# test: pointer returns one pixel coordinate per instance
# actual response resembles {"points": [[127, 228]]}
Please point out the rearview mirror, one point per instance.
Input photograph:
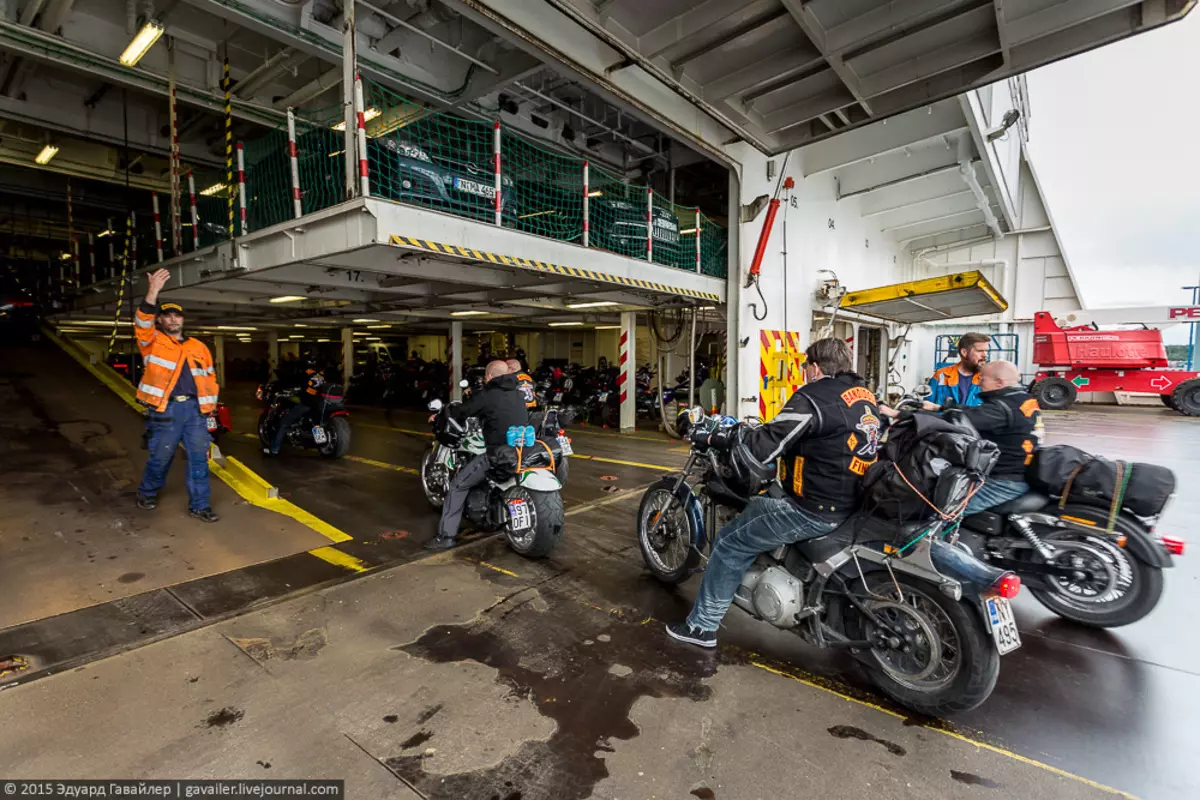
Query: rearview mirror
{"points": [[463, 383], [435, 405]]}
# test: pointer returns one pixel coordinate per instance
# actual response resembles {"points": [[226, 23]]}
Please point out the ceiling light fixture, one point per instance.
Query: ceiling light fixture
{"points": [[48, 152], [564, 324], [234, 328], [607, 327], [469, 313], [364, 320], [596, 193], [213, 190], [143, 40], [594, 304], [102, 234], [368, 115], [288, 298], [686, 231], [377, 327]]}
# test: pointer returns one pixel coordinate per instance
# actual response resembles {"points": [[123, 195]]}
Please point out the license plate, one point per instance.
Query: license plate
{"points": [[1003, 624], [211, 423], [558, 397], [565, 444], [319, 434], [475, 187], [518, 512]]}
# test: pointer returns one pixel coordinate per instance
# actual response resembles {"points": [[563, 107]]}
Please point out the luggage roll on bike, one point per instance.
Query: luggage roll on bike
{"points": [[522, 494], [925, 621]]}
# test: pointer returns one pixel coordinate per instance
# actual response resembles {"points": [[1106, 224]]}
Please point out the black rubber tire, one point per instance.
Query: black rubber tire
{"points": [[548, 527], [1055, 394], [339, 434], [1186, 398], [684, 571], [980, 667], [434, 501], [562, 470], [264, 428], [1143, 597], [1167, 400]]}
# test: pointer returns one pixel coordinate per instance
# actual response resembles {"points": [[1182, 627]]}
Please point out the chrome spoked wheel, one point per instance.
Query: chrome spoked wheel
{"points": [[664, 530], [1098, 574], [435, 479], [920, 647]]}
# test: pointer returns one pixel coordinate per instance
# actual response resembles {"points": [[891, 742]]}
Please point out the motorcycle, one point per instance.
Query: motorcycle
{"points": [[926, 621], [1070, 561], [325, 429], [526, 504]]}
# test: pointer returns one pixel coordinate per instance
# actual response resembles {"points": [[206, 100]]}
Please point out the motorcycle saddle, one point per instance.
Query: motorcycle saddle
{"points": [[859, 529], [991, 522]]}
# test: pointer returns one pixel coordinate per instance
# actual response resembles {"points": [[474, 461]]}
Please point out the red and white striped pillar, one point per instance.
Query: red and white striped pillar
{"points": [[649, 224], [585, 203], [697, 240], [241, 178], [628, 363], [496, 166], [297, 210], [360, 115], [195, 216], [158, 243]]}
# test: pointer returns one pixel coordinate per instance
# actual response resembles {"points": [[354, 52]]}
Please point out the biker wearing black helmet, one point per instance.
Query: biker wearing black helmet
{"points": [[824, 439], [312, 381]]}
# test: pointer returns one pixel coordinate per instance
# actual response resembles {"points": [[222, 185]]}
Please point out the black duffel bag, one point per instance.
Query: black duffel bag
{"points": [[1075, 476], [928, 465]]}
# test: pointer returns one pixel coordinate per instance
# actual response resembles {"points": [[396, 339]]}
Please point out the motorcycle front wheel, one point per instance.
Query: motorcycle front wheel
{"points": [[947, 663], [434, 478], [664, 532], [265, 434]]}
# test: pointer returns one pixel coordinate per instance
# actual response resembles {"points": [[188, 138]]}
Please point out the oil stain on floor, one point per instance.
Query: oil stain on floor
{"points": [[571, 680]]}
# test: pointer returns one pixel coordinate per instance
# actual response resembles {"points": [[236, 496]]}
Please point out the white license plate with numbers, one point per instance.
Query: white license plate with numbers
{"points": [[518, 512], [475, 187], [1003, 624], [565, 444], [319, 434], [211, 423]]}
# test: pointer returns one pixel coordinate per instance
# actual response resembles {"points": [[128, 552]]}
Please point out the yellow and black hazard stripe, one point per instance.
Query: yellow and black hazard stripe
{"points": [[543, 266]]}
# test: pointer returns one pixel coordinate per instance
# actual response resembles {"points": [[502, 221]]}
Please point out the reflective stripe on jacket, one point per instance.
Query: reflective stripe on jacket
{"points": [[164, 358]]}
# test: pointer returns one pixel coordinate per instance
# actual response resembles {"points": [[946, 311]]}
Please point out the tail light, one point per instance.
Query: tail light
{"points": [[259, 393], [1174, 546], [1007, 585]]}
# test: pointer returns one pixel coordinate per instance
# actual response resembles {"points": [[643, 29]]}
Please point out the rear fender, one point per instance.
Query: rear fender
{"points": [[1138, 540], [539, 480]]}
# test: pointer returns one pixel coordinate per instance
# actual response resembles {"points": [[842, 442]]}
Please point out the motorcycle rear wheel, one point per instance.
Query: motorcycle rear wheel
{"points": [[668, 553], [338, 438], [954, 673], [1139, 586], [548, 519]]}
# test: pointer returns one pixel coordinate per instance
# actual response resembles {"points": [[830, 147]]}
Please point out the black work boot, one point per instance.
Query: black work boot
{"points": [[438, 543], [146, 502], [204, 515]]}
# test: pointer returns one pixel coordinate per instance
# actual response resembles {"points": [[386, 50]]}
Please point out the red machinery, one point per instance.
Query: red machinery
{"points": [[1083, 358]]}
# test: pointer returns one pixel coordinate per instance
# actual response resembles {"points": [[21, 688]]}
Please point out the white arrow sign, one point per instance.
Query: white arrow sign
{"points": [[1161, 383]]}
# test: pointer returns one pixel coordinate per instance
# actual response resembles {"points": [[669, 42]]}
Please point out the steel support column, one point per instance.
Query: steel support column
{"points": [[455, 357], [219, 358], [273, 354], [626, 381], [349, 70], [347, 355]]}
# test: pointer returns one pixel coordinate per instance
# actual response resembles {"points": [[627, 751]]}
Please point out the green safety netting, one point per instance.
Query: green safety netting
{"points": [[445, 162]]}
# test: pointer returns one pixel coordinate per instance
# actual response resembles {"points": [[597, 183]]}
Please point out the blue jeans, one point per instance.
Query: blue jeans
{"points": [[181, 422], [290, 418], [766, 524], [993, 493]]}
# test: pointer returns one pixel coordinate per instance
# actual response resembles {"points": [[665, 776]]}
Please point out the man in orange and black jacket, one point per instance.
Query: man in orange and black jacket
{"points": [[179, 386]]}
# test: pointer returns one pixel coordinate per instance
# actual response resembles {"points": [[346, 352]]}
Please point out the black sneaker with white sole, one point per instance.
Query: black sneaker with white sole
{"points": [[686, 633]]}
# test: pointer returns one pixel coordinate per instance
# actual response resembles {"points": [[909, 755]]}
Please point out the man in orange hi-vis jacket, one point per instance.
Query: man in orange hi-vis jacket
{"points": [[179, 385]]}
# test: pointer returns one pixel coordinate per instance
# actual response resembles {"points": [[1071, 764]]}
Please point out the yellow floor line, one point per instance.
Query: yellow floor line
{"points": [[491, 567], [660, 467], [384, 465]]}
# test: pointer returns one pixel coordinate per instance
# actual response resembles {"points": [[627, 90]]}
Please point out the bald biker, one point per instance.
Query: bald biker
{"points": [[498, 406], [1009, 416]]}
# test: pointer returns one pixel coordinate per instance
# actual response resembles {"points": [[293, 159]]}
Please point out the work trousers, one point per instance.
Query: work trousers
{"points": [[183, 423], [470, 476]]}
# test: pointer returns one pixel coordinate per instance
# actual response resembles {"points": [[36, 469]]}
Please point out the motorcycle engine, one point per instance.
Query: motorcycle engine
{"points": [[772, 594], [476, 508]]}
